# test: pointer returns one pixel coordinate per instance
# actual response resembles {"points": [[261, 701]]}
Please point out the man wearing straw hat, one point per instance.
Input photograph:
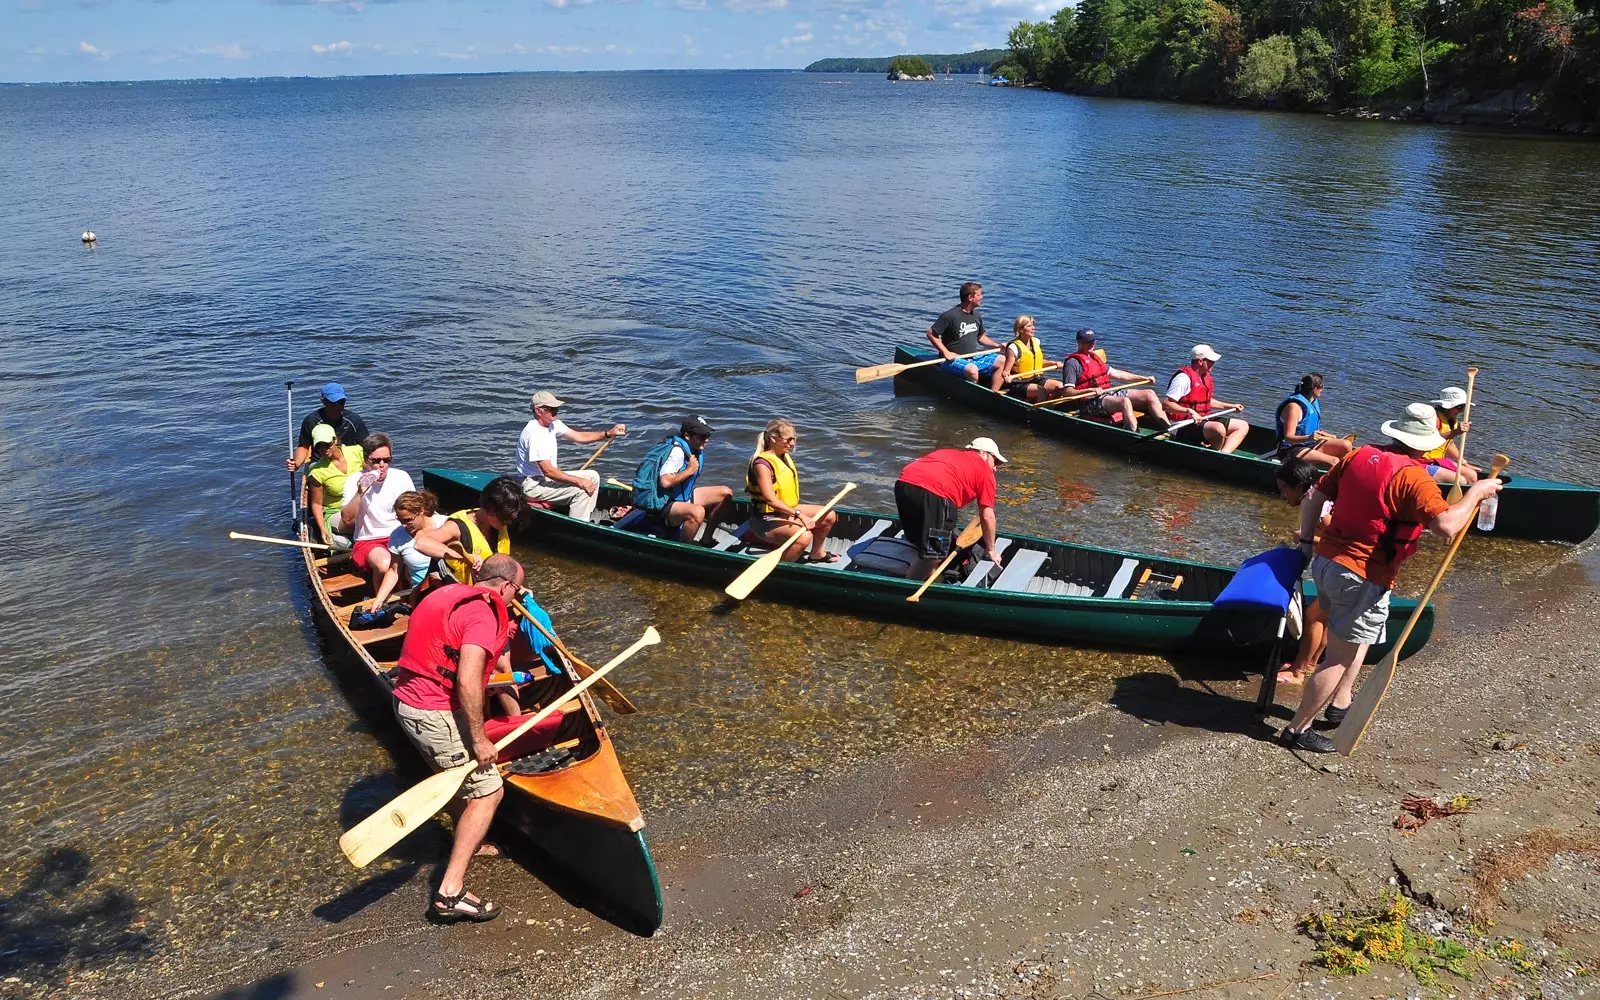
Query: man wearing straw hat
{"points": [[1384, 500]]}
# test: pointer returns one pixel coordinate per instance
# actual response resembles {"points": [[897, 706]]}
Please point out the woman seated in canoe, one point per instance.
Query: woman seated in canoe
{"points": [[779, 518], [1300, 433], [331, 462], [1443, 460], [1023, 366]]}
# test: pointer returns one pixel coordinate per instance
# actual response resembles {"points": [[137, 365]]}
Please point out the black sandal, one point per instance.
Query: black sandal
{"points": [[824, 559], [447, 909]]}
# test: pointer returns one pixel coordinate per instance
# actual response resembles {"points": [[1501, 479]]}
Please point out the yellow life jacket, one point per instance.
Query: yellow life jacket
{"points": [[474, 541], [785, 482], [1030, 357], [1446, 425]]}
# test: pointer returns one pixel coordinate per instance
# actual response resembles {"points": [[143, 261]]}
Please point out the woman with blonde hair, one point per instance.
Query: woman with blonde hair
{"points": [[1024, 364], [779, 516]]}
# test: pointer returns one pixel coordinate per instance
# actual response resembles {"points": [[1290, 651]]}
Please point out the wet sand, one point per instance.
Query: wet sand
{"points": [[1157, 841]]}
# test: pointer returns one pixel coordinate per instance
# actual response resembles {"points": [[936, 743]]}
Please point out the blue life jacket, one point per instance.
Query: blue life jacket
{"points": [[647, 491], [543, 648], [1310, 417]]}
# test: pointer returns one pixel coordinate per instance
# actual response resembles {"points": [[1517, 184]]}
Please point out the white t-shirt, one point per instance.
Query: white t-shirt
{"points": [[538, 444], [376, 514], [1179, 386], [676, 461]]}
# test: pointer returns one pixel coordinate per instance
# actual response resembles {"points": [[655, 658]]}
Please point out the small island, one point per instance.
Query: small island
{"points": [[965, 63], [910, 68]]}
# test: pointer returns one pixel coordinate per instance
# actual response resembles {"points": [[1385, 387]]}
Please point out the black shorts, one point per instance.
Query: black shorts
{"points": [[927, 519]]}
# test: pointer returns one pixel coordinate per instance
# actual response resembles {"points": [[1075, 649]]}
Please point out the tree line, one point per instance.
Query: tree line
{"points": [[1533, 61], [966, 62]]}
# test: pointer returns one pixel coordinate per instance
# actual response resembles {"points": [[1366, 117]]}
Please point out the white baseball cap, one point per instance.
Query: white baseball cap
{"points": [[1204, 351], [1418, 429], [988, 446]]}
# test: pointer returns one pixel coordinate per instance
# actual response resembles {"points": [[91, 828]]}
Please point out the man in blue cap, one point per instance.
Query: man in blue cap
{"points": [[334, 413]]}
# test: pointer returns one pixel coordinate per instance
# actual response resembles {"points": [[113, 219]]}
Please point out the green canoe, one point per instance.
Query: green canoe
{"points": [[1050, 590], [1536, 509]]}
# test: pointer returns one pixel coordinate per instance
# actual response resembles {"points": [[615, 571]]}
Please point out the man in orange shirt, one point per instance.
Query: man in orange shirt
{"points": [[1384, 500]]}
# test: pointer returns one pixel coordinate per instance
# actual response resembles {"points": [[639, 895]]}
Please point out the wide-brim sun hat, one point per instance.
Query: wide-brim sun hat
{"points": [[988, 447], [1418, 429], [1450, 397]]}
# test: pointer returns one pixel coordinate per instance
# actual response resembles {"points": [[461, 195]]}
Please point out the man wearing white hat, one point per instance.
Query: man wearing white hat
{"points": [[1443, 460], [1189, 397], [933, 488], [1384, 500], [544, 479]]}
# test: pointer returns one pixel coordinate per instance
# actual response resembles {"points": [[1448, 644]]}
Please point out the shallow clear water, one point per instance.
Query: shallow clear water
{"points": [[646, 245]]}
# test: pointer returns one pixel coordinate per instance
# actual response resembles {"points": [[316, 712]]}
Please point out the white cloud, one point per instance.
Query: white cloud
{"points": [[470, 53], [333, 48], [795, 40], [690, 4], [93, 50], [563, 4], [231, 50], [961, 15], [802, 26], [746, 6]]}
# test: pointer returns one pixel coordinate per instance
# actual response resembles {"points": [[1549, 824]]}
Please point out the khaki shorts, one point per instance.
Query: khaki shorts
{"points": [[1358, 609], [435, 734]]}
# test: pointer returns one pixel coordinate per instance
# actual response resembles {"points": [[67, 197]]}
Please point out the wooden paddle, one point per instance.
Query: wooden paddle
{"points": [[1461, 450], [762, 568], [619, 484], [609, 693], [418, 804], [967, 539], [1081, 397], [1365, 706], [603, 446], [1052, 366], [876, 372], [292, 542], [1180, 425]]}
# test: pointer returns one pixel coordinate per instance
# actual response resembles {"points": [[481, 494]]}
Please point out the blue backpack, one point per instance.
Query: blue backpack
{"points": [[647, 492]]}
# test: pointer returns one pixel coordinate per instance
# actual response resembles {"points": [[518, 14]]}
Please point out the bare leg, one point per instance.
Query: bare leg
{"points": [[1212, 434], [687, 518], [381, 561], [824, 526], [1312, 642], [471, 826], [1130, 420], [997, 376], [386, 585], [1237, 429], [1149, 403], [791, 536], [971, 372], [1343, 658]]}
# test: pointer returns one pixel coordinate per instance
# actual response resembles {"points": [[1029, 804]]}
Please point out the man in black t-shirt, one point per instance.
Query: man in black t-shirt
{"points": [[350, 427], [960, 331]]}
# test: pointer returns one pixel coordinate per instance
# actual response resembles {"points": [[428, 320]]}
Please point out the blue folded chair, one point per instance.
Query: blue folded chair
{"points": [[1266, 582]]}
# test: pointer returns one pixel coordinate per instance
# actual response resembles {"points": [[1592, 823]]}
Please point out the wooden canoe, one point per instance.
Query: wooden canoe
{"points": [[581, 813], [1050, 591], [1535, 509]]}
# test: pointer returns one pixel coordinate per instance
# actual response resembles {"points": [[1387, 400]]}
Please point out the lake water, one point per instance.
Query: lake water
{"points": [[177, 750]]}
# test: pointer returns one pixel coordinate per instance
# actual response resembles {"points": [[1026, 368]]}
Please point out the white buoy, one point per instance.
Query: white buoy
{"points": [[88, 236]]}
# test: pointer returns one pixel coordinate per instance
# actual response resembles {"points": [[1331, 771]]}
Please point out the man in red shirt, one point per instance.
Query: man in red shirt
{"points": [[1383, 501], [456, 636], [931, 489]]}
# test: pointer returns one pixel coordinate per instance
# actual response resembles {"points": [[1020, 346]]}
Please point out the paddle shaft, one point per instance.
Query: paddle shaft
{"points": [[603, 446], [1180, 425], [608, 691], [1461, 449], [1083, 397], [1052, 366], [762, 568], [875, 372], [292, 542], [294, 501], [1366, 704], [969, 537]]}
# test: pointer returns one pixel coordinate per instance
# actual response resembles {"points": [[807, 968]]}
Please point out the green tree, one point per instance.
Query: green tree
{"points": [[910, 66], [1269, 70]]}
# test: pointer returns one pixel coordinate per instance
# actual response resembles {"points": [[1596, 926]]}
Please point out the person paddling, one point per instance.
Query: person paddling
{"points": [[334, 412], [774, 485], [1024, 365], [1190, 396], [543, 478], [664, 484], [931, 491], [1300, 433], [959, 330], [1443, 460], [1383, 501], [1086, 369]]}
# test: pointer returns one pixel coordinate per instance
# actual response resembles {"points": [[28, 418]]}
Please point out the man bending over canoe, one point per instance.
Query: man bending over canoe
{"points": [[933, 488], [1086, 370], [1383, 501], [1190, 397], [959, 330], [544, 479], [457, 636], [664, 484]]}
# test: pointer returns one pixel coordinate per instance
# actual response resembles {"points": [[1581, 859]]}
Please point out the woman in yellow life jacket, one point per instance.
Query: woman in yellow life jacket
{"points": [[476, 533], [1024, 364], [779, 518], [1442, 461]]}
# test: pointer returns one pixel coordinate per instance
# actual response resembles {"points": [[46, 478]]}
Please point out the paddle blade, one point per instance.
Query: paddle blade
{"points": [[1454, 496], [970, 535], [757, 571], [875, 372], [1367, 701], [404, 813]]}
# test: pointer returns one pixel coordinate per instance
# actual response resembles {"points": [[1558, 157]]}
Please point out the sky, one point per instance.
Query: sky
{"points": [[76, 40]]}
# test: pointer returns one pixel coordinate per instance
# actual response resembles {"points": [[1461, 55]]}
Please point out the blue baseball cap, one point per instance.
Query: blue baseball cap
{"points": [[333, 392]]}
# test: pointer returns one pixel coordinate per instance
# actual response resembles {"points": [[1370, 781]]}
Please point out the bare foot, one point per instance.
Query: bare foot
{"points": [[1291, 677]]}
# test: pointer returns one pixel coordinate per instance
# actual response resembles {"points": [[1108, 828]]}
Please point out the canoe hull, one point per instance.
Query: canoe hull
{"points": [[1534, 509], [1192, 626]]}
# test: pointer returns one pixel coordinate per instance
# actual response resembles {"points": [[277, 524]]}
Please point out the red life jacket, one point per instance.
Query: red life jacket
{"points": [[1362, 513], [1096, 373], [429, 650], [1198, 397]]}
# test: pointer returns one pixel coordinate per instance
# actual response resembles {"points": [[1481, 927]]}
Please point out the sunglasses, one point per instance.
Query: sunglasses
{"points": [[385, 459]]}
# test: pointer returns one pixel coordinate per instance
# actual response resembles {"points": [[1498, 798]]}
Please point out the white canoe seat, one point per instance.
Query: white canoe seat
{"points": [[1124, 576], [1058, 588], [844, 545], [1019, 569], [980, 572]]}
